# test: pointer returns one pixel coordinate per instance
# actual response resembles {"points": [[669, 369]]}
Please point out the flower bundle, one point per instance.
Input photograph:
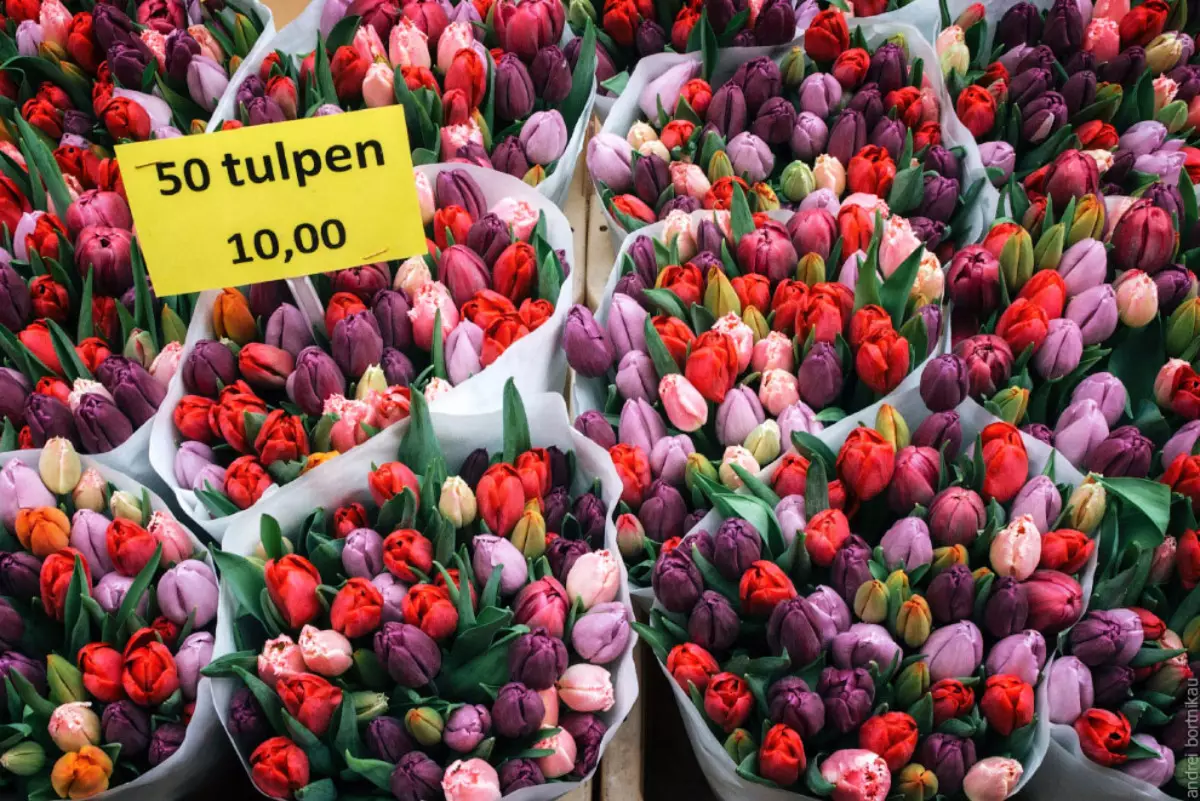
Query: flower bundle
{"points": [[514, 108], [86, 349], [269, 395], [734, 341], [444, 634], [835, 118], [1100, 79], [107, 619], [883, 632], [92, 76], [631, 30], [1061, 324]]}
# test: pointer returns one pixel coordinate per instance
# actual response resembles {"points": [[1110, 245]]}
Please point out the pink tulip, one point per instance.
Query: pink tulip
{"points": [[379, 85], [586, 688], [857, 775], [594, 579], [408, 46], [777, 390], [562, 761], [471, 780], [1017, 549], [1102, 38], [1137, 298], [1110, 9], [326, 653], [773, 352], [993, 778], [549, 698], [280, 659], [686, 408], [430, 299], [176, 543], [457, 36]]}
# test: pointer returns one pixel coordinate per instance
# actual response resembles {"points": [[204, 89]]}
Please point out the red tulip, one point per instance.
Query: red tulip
{"points": [[866, 462], [310, 699], [892, 735], [404, 550], [357, 608], [1007, 703], [292, 585], [500, 497]]}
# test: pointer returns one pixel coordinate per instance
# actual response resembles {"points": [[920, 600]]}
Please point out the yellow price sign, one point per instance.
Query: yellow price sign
{"points": [[274, 201]]}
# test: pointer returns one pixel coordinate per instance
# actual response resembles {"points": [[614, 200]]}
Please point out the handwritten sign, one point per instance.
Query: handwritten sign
{"points": [[274, 201]]}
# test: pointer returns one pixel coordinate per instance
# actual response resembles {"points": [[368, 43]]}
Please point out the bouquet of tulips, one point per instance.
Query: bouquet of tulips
{"points": [[719, 325], [630, 31], [1099, 78], [94, 75], [86, 349], [437, 634], [810, 126], [107, 618], [1122, 698], [1058, 332], [282, 377], [520, 108], [885, 631]]}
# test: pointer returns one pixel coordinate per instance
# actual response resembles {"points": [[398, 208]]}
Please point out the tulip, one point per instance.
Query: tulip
{"points": [[954, 650], [1016, 549], [857, 774], [1080, 428]]}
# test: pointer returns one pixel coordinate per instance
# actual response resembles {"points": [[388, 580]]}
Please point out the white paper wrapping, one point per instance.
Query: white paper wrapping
{"points": [[536, 362], [718, 767], [1067, 773], [458, 436], [625, 112], [299, 38], [202, 749]]}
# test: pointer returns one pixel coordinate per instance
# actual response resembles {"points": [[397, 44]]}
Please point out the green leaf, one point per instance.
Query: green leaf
{"points": [[85, 328], [75, 619], [741, 220], [47, 167], [583, 80], [516, 424], [271, 705], [549, 278], [713, 580], [668, 302], [222, 666], [756, 486], [29, 694], [896, 289], [814, 449], [1150, 499], [419, 446], [907, 190], [326, 92], [320, 790], [271, 537], [244, 579], [1146, 657], [73, 366], [342, 33], [816, 488], [134, 595], [664, 362]]}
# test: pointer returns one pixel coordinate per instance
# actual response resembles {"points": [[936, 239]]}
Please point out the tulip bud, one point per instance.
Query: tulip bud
{"points": [[914, 621], [457, 502], [529, 535], [631, 537], [425, 725], [763, 442], [912, 683], [797, 181], [891, 425], [871, 602], [1183, 326], [368, 705], [24, 759], [811, 269], [73, 726], [125, 505], [91, 491], [698, 464], [719, 295], [739, 745], [64, 680], [916, 783], [373, 380], [1049, 249], [1012, 403], [1085, 507]]}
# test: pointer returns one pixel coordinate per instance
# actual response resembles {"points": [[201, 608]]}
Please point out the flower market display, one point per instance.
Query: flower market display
{"points": [[630, 31], [735, 341], [107, 617], [86, 348], [282, 377], [443, 634], [804, 127], [89, 75], [1064, 325], [499, 94], [886, 631], [1112, 81]]}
